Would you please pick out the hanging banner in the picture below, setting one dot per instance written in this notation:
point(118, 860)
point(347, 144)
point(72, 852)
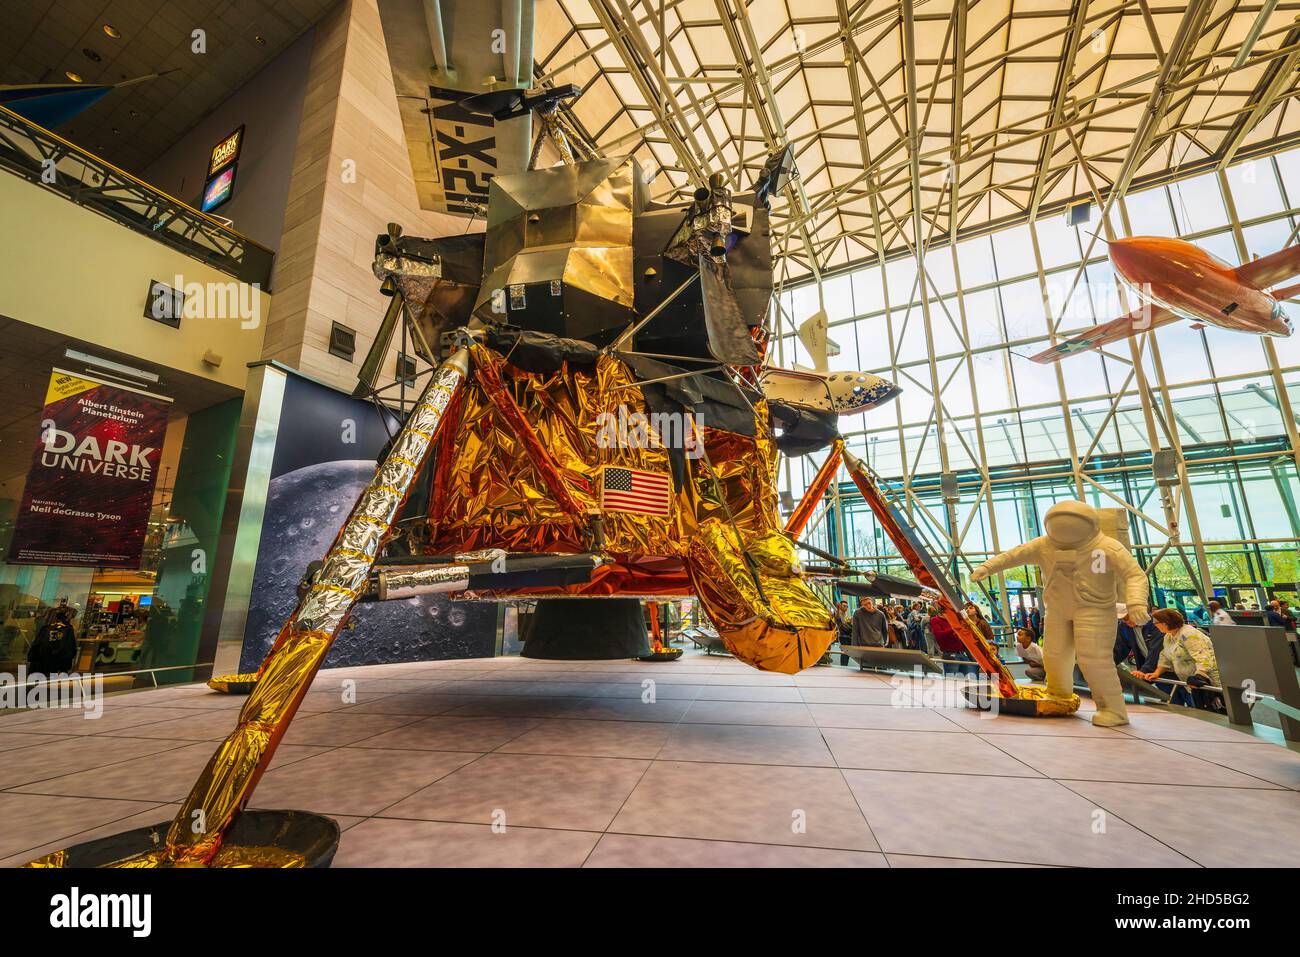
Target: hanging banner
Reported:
point(90, 488)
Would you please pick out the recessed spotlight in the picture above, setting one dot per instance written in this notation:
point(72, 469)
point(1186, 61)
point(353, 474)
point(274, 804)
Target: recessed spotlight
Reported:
point(73, 76)
point(91, 55)
point(260, 40)
point(133, 113)
point(111, 31)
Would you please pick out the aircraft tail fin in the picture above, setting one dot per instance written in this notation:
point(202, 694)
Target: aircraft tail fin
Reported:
point(812, 333)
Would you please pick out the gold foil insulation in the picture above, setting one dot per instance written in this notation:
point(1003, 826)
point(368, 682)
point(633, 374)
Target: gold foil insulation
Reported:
point(489, 493)
point(233, 684)
point(763, 611)
point(228, 855)
point(491, 490)
point(233, 771)
point(1045, 704)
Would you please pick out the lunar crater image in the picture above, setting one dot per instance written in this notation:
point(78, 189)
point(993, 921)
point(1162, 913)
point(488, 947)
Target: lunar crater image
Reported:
point(304, 510)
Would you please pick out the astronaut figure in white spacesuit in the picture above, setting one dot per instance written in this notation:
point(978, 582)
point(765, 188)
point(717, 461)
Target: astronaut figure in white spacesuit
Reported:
point(1085, 574)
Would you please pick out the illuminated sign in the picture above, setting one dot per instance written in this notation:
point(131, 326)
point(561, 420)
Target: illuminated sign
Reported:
point(218, 189)
point(226, 152)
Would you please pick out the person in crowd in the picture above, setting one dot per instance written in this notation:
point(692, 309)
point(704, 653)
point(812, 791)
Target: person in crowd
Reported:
point(1128, 645)
point(979, 622)
point(1288, 616)
point(950, 646)
point(1153, 639)
point(1036, 621)
point(887, 610)
point(1218, 614)
point(1139, 646)
point(1273, 614)
point(916, 628)
point(843, 620)
point(927, 633)
point(840, 619)
point(870, 624)
point(1031, 652)
point(843, 627)
point(1188, 655)
point(898, 626)
point(54, 650)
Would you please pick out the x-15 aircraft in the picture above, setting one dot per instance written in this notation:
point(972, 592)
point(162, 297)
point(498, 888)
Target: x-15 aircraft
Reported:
point(1177, 280)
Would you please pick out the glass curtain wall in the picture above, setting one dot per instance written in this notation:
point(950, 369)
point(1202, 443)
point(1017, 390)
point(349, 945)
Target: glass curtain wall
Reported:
point(1007, 418)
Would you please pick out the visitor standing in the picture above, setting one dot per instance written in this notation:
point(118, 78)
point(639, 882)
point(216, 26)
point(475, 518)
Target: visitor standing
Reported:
point(870, 625)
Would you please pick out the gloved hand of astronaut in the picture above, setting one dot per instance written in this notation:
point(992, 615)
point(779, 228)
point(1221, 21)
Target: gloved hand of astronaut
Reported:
point(1084, 574)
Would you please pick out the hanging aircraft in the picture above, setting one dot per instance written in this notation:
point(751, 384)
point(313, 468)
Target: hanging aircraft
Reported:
point(818, 389)
point(1178, 280)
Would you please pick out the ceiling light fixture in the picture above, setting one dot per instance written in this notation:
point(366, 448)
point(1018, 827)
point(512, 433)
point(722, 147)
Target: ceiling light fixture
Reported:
point(260, 40)
point(74, 77)
point(76, 355)
point(91, 55)
point(111, 31)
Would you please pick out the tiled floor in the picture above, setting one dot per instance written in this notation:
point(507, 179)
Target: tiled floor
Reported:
point(699, 762)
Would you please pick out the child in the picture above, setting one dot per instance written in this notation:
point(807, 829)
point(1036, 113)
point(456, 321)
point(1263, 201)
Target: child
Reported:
point(1032, 653)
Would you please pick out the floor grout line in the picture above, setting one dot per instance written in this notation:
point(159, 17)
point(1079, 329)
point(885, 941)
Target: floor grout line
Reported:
point(69, 838)
point(649, 764)
point(1135, 827)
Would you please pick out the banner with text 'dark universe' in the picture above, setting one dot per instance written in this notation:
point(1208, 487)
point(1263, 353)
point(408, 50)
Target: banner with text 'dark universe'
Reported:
point(90, 487)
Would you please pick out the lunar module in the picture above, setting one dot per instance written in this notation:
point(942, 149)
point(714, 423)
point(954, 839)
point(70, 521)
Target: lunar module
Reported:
point(606, 424)
point(601, 422)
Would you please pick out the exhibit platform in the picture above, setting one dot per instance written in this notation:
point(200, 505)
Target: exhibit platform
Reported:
point(521, 762)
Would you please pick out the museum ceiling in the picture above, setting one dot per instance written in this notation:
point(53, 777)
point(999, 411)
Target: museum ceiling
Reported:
point(45, 40)
point(1041, 103)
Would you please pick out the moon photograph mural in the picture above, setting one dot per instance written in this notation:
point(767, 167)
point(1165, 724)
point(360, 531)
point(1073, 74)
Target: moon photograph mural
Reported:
point(306, 504)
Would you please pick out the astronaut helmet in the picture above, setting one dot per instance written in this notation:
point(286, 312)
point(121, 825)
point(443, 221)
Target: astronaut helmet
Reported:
point(1070, 524)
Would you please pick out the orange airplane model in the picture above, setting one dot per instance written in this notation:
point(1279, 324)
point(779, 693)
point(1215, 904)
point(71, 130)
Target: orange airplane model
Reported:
point(1175, 279)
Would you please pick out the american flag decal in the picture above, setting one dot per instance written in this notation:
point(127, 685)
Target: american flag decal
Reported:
point(631, 490)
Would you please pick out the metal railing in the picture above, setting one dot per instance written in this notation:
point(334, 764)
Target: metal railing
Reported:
point(48, 160)
point(73, 677)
